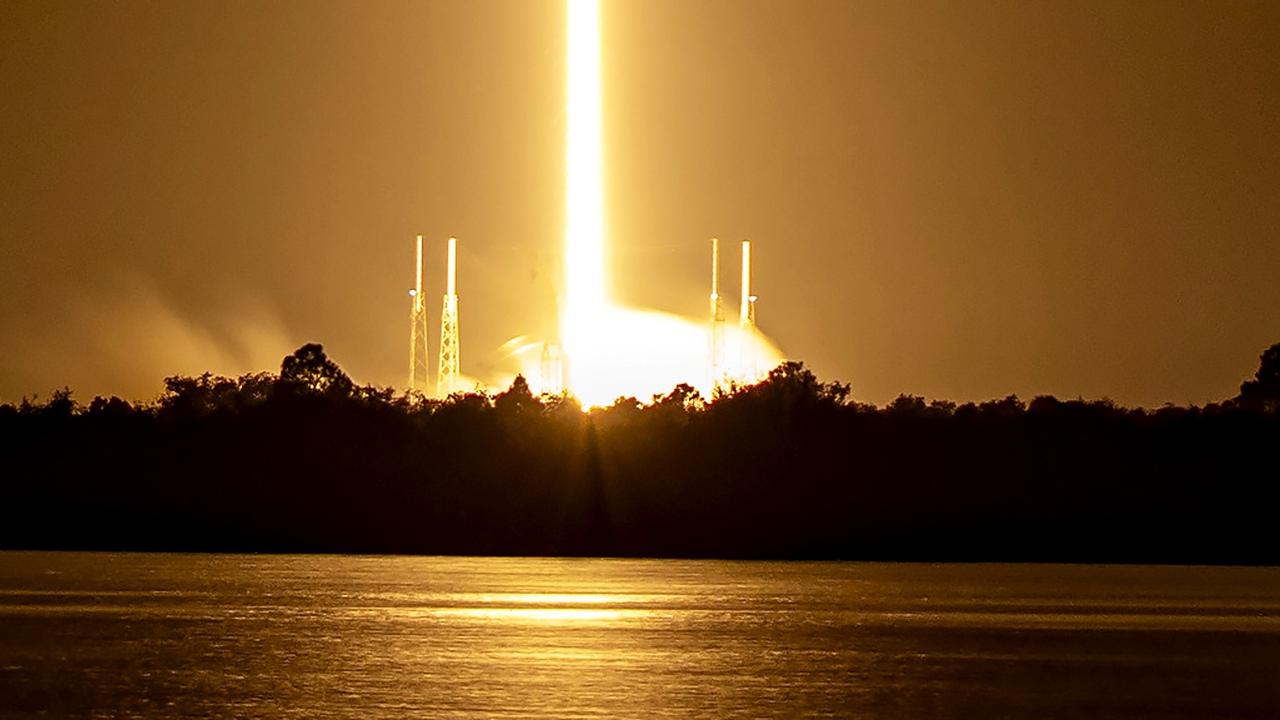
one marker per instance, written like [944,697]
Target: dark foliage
[308,461]
[1263,391]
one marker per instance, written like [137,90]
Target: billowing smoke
[124,337]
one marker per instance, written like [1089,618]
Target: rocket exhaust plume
[611,351]
[584,176]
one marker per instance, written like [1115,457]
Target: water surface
[184,636]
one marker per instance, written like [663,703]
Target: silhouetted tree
[620,413]
[112,407]
[683,397]
[193,397]
[517,400]
[788,467]
[906,406]
[309,370]
[1263,391]
[1008,408]
[794,378]
[61,404]
[1044,405]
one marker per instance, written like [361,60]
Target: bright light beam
[585,296]
[612,351]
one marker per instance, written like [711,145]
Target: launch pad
[601,349]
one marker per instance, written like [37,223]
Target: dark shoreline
[306,461]
[787,560]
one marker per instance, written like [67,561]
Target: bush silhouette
[306,460]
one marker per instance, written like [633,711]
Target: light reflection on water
[84,635]
[553,615]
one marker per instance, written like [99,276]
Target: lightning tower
[552,369]
[418,371]
[747,316]
[716,318]
[447,372]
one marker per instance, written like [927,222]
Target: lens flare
[614,351]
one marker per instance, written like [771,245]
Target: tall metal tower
[716,319]
[418,370]
[747,317]
[447,372]
[552,368]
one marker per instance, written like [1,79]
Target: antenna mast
[747,317]
[716,318]
[418,370]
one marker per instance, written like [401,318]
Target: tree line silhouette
[306,460]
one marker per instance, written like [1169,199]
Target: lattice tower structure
[418,357]
[747,317]
[715,365]
[447,372]
[552,368]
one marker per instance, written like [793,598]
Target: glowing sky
[1059,197]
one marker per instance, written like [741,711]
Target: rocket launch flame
[613,351]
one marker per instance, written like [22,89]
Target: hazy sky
[954,199]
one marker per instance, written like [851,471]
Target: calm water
[102,635]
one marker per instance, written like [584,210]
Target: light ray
[612,351]
[585,295]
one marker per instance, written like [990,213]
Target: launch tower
[447,373]
[418,371]
[552,368]
[716,319]
[747,317]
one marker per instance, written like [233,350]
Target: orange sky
[959,200]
